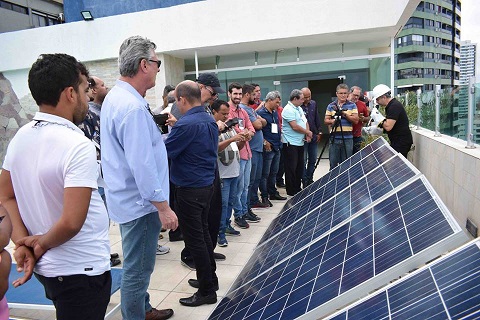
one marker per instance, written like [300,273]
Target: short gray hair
[132,51]
[272,95]
[295,94]
[355,88]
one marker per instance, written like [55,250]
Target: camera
[161,121]
[338,113]
[229,124]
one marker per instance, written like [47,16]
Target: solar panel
[356,158]
[448,288]
[368,221]
[351,193]
[368,250]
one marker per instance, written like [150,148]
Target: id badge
[274,128]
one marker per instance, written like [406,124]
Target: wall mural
[14,113]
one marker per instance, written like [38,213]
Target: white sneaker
[162,250]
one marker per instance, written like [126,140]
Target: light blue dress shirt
[291,113]
[134,158]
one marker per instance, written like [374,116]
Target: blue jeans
[255,176]
[240,207]
[271,161]
[310,157]
[357,144]
[139,244]
[336,151]
[229,196]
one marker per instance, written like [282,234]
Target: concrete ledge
[453,170]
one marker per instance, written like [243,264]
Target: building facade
[27,14]
[427,50]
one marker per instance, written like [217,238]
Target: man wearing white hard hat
[396,123]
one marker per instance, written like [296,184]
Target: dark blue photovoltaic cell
[374,308]
[458,279]
[415,202]
[455,279]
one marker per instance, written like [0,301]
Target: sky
[470,27]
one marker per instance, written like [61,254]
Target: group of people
[215,159]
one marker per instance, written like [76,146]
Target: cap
[211,80]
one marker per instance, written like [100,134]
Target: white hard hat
[379,91]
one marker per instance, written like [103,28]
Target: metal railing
[448,112]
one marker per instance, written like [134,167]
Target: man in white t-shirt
[49,188]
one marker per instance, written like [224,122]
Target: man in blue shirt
[272,145]
[135,169]
[295,132]
[192,148]
[341,114]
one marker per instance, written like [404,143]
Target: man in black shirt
[396,121]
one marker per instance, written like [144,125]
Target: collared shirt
[134,158]
[350,108]
[95,108]
[46,156]
[271,118]
[293,113]
[361,108]
[237,112]
[256,144]
[192,147]
[314,121]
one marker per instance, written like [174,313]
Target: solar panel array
[368,221]
[446,289]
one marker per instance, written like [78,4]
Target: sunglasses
[159,63]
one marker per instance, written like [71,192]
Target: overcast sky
[470,28]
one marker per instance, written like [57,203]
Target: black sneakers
[252,217]
[241,222]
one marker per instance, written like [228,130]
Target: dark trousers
[214,216]
[281,167]
[192,206]
[294,167]
[78,296]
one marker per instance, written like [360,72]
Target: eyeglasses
[213,93]
[159,63]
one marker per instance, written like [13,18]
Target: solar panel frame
[425,285]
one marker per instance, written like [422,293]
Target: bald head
[98,88]
[188,95]
[307,95]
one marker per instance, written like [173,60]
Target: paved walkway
[169,279]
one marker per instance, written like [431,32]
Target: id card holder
[274,128]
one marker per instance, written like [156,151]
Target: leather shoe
[155,314]
[219,256]
[198,300]
[196,284]
[277,196]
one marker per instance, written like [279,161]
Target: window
[13,7]
[42,19]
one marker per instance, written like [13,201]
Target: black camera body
[229,124]
[338,113]
[161,121]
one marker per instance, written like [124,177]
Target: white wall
[453,171]
[215,24]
